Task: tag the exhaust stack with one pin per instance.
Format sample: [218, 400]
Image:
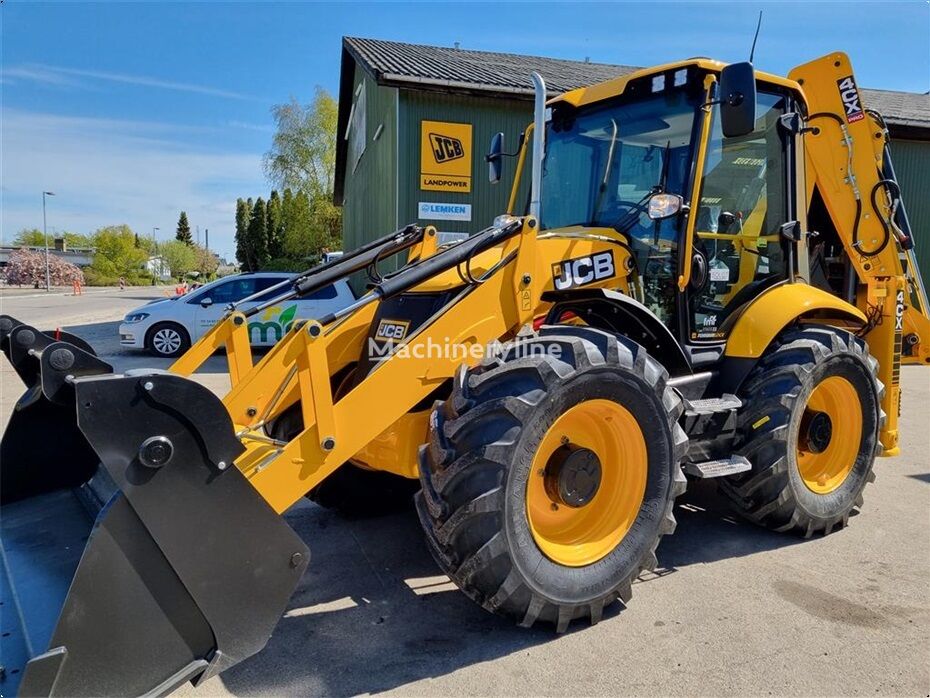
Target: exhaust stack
[539, 143]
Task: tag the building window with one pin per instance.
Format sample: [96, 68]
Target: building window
[355, 133]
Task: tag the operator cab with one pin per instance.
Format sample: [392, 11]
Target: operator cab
[611, 152]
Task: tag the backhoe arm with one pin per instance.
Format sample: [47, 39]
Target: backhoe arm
[849, 165]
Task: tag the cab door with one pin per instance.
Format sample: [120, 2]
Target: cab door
[744, 199]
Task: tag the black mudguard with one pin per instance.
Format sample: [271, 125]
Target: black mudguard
[186, 570]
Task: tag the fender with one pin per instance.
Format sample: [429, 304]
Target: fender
[623, 315]
[766, 316]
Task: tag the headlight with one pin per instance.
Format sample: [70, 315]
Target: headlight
[135, 317]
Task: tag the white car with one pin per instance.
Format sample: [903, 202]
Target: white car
[167, 327]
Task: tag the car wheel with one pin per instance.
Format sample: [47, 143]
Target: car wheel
[167, 339]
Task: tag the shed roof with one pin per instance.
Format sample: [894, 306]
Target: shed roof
[392, 62]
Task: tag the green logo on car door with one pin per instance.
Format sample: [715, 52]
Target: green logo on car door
[272, 325]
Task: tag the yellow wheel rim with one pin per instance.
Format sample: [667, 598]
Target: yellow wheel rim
[829, 435]
[578, 535]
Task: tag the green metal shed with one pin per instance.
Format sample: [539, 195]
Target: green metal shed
[389, 89]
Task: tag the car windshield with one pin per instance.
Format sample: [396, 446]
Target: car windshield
[602, 163]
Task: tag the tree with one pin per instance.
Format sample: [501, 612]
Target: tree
[275, 226]
[243, 252]
[298, 224]
[303, 151]
[180, 257]
[258, 234]
[28, 267]
[116, 253]
[207, 262]
[184, 230]
[33, 237]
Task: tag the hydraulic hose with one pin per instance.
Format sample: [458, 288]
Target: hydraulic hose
[850, 174]
[325, 274]
[442, 261]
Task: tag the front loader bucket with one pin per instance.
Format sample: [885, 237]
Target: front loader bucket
[42, 448]
[186, 568]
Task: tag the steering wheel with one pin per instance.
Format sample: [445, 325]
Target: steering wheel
[621, 211]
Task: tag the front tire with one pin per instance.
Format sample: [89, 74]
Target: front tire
[167, 340]
[548, 482]
[809, 426]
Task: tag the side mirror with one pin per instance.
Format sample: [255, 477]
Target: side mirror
[663, 206]
[725, 220]
[737, 99]
[495, 158]
[206, 302]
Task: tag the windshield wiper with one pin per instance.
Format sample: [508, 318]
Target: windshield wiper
[610, 159]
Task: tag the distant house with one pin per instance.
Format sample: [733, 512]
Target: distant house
[158, 267]
[79, 256]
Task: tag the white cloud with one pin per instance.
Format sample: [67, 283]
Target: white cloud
[109, 171]
[264, 128]
[37, 74]
[65, 77]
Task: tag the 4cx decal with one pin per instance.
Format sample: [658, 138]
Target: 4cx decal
[446, 148]
[392, 330]
[582, 271]
[849, 93]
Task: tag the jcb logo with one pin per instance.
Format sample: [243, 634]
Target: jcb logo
[583, 270]
[851, 101]
[446, 148]
[392, 330]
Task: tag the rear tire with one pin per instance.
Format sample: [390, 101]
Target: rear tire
[167, 340]
[478, 469]
[808, 475]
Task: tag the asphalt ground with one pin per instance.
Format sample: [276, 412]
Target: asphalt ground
[731, 610]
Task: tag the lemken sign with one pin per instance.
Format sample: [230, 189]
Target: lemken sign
[443, 212]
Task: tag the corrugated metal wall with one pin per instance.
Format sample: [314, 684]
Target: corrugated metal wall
[912, 165]
[371, 190]
[487, 116]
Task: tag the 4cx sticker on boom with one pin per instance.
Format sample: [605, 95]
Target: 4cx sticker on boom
[852, 102]
[582, 271]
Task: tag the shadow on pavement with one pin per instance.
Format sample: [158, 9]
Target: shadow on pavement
[374, 613]
[708, 531]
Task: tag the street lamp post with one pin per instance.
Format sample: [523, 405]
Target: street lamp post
[48, 283]
[156, 264]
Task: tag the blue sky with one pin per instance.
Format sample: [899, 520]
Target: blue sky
[132, 112]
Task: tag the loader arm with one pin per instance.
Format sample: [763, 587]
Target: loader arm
[231, 332]
[301, 365]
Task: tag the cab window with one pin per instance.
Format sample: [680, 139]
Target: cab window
[741, 206]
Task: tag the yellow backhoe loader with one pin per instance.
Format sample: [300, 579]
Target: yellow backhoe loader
[713, 278]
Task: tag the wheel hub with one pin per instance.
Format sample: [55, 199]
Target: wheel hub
[573, 475]
[817, 430]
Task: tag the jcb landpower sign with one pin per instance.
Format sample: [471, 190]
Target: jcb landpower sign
[445, 156]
